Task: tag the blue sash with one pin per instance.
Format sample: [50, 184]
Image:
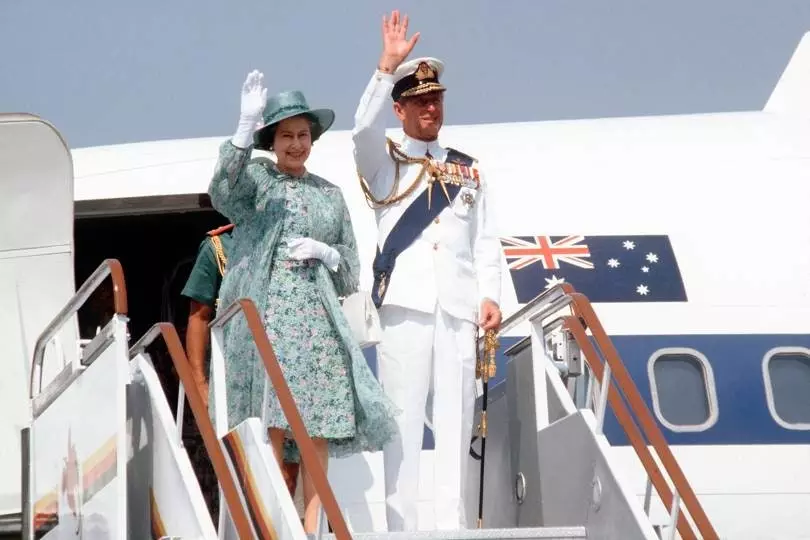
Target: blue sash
[410, 225]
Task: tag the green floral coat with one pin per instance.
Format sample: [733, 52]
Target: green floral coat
[250, 193]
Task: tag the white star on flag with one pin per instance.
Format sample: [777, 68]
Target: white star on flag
[554, 281]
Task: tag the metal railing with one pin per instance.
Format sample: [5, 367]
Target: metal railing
[40, 399]
[110, 267]
[309, 456]
[216, 454]
[617, 389]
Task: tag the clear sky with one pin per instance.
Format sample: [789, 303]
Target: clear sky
[107, 72]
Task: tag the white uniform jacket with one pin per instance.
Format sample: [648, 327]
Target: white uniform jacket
[457, 259]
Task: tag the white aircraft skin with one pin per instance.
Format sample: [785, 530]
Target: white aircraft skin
[728, 191]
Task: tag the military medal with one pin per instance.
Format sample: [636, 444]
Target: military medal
[456, 174]
[467, 199]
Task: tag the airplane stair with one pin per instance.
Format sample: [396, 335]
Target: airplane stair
[74, 452]
[102, 457]
[549, 471]
[547, 460]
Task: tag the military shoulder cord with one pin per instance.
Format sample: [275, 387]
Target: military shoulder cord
[399, 158]
[221, 259]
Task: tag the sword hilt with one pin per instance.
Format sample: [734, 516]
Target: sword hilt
[485, 368]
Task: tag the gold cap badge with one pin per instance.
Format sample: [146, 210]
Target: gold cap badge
[424, 71]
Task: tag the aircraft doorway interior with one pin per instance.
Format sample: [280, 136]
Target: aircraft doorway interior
[156, 252]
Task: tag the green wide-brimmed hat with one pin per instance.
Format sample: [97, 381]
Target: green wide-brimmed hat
[286, 105]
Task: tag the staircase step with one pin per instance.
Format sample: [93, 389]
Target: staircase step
[526, 533]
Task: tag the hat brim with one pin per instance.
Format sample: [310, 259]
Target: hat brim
[324, 118]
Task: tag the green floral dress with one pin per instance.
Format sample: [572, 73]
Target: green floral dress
[337, 394]
[306, 345]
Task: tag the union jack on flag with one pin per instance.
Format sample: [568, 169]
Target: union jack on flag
[521, 253]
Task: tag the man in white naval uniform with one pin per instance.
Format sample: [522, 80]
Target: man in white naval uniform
[437, 275]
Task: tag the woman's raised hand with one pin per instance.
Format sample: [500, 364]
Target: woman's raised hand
[254, 99]
[254, 95]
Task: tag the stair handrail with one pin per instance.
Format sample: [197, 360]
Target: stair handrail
[583, 308]
[302, 439]
[109, 267]
[548, 300]
[625, 420]
[230, 492]
[584, 317]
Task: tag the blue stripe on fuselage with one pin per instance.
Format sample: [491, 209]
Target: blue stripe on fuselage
[736, 360]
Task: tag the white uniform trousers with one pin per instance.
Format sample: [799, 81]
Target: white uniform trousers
[422, 353]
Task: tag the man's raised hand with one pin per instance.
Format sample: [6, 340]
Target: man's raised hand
[396, 45]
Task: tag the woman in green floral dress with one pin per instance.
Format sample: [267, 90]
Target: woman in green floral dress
[294, 255]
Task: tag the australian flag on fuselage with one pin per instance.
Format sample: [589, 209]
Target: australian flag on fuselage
[603, 268]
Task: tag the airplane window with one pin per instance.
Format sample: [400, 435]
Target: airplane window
[682, 386]
[787, 385]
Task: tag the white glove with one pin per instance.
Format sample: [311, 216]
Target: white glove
[307, 248]
[254, 98]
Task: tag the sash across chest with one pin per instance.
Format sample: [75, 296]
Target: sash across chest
[414, 220]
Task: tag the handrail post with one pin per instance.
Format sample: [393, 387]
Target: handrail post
[648, 496]
[179, 420]
[604, 388]
[673, 515]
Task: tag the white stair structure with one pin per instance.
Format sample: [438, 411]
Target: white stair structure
[551, 464]
[75, 450]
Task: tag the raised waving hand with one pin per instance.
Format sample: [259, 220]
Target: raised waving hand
[254, 99]
[396, 45]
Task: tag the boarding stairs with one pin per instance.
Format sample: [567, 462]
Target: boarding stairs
[553, 464]
[138, 481]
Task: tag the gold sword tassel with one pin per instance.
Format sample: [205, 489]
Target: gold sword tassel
[436, 175]
[485, 370]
